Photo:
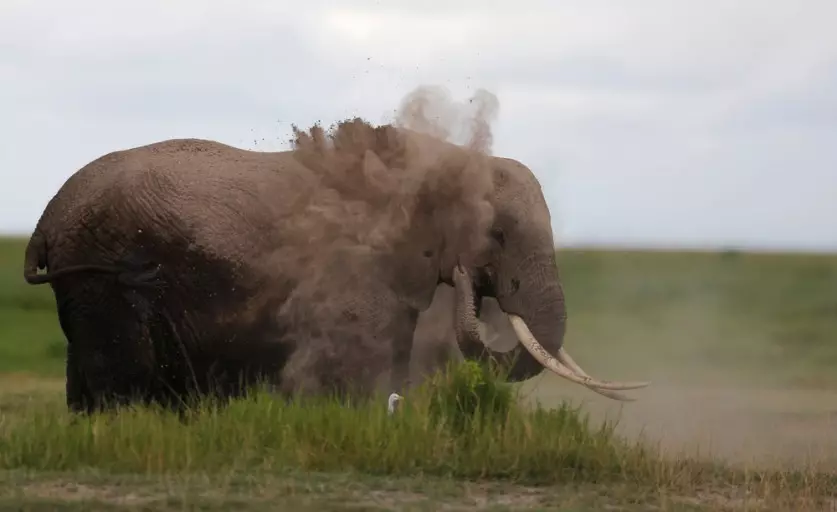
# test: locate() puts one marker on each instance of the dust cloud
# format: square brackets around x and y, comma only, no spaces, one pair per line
[705,400]
[760,428]
[378,185]
[384,209]
[696,409]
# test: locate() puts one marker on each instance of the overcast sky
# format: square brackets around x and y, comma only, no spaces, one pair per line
[704,123]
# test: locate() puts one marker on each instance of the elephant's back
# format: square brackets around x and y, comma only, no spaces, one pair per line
[218,197]
[205,213]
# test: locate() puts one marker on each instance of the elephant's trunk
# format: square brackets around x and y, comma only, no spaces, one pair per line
[541,307]
[470,335]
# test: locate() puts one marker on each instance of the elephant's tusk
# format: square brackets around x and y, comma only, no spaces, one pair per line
[527,339]
[564,357]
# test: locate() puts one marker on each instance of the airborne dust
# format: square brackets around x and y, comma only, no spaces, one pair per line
[386,208]
[380,184]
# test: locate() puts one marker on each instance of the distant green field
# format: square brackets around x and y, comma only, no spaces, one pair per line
[630,313]
[30,337]
[768,318]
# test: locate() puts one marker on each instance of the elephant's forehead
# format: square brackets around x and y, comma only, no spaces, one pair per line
[519,194]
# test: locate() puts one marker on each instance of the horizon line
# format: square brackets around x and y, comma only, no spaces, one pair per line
[640,246]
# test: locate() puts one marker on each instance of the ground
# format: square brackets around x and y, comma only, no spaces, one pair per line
[314,492]
[740,349]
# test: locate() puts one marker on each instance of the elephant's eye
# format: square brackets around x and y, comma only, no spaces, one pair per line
[497,234]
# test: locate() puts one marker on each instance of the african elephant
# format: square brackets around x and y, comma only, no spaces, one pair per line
[189,267]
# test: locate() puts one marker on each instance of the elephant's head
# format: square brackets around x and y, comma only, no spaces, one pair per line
[518,269]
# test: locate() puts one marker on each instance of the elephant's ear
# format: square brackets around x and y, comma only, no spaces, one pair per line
[497,332]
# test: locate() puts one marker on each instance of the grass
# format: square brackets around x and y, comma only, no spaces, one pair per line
[739,313]
[424,452]
[264,434]
[30,336]
[463,441]
[94,490]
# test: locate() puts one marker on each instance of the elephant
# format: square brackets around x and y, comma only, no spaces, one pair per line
[188,267]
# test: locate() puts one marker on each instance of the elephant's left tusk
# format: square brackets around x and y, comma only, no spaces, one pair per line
[527,339]
[564,357]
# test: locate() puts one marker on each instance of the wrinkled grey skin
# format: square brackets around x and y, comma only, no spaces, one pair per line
[162,259]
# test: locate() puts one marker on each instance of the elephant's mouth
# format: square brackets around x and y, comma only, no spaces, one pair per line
[471,338]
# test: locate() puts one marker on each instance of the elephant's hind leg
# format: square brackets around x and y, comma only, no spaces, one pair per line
[107,353]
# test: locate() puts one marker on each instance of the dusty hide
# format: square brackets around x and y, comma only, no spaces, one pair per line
[387,196]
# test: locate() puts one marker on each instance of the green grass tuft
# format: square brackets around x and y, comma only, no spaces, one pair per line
[466,393]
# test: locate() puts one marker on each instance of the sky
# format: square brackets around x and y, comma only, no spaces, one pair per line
[689,124]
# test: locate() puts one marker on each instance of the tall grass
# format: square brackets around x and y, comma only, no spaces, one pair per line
[461,423]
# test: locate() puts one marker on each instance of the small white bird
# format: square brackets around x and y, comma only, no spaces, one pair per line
[392,403]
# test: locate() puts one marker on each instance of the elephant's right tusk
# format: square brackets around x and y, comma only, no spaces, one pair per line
[527,339]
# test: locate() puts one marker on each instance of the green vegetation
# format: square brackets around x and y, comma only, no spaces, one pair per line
[464,440]
[30,337]
[474,393]
[735,312]
[439,436]
[264,434]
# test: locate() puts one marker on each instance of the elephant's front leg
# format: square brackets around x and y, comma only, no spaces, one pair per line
[403,330]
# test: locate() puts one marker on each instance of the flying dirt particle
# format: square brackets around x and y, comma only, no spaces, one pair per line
[432,111]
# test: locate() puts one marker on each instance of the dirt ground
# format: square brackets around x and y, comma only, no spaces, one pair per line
[753,427]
